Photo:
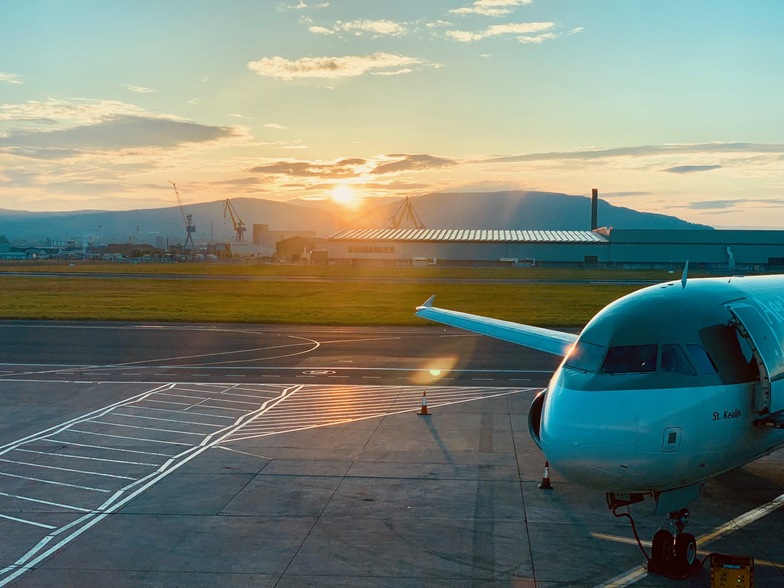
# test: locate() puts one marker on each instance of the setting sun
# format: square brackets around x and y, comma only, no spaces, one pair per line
[345,196]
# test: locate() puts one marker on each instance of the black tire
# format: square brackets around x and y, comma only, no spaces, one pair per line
[685,551]
[662,554]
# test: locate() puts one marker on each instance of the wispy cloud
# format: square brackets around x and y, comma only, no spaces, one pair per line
[647,150]
[138,89]
[354,167]
[493,8]
[58,129]
[690,169]
[275,126]
[719,205]
[342,168]
[117,133]
[525,30]
[74,111]
[359,27]
[10,78]
[418,162]
[301,5]
[331,67]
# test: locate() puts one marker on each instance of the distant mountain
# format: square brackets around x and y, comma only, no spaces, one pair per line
[493,210]
[533,210]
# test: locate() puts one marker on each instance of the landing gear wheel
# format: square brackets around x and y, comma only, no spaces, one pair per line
[685,551]
[662,550]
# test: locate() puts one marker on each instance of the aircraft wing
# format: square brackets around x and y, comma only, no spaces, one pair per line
[548,340]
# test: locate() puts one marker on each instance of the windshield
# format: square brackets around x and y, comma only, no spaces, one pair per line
[585,356]
[630,359]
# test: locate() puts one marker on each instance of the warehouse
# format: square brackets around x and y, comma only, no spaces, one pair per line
[710,249]
[466,246]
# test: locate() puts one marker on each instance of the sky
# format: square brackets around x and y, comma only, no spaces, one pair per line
[666,106]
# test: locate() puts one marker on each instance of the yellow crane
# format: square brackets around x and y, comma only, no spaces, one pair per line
[406,212]
[187,219]
[239,226]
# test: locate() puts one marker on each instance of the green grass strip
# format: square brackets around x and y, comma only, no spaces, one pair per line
[286,302]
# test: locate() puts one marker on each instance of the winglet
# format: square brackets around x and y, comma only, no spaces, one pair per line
[685,275]
[429,302]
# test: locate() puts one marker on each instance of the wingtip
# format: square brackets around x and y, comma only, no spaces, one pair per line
[427,303]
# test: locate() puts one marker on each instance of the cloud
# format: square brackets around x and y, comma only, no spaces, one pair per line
[115,133]
[493,8]
[73,112]
[275,126]
[138,89]
[10,78]
[331,67]
[301,5]
[624,194]
[353,167]
[690,169]
[645,151]
[344,168]
[377,27]
[523,28]
[733,203]
[412,162]
[321,30]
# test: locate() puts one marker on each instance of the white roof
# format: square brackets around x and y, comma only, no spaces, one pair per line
[469,235]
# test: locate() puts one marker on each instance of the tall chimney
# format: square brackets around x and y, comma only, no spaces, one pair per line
[594,209]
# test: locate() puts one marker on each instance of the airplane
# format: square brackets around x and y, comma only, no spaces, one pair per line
[663,388]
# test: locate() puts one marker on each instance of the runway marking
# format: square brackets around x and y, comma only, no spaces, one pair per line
[61,455]
[42,481]
[277,409]
[635,574]
[26,522]
[46,502]
[92,512]
[46,467]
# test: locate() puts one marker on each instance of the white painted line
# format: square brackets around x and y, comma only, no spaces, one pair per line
[635,574]
[40,552]
[54,483]
[140,416]
[46,502]
[105,448]
[2,516]
[168,402]
[147,428]
[212,416]
[48,467]
[129,438]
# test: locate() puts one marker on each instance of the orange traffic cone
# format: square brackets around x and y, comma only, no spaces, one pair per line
[423,411]
[545,485]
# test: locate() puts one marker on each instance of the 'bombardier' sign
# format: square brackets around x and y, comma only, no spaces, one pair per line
[370,249]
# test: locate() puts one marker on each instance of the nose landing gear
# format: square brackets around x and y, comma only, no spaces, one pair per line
[674,552]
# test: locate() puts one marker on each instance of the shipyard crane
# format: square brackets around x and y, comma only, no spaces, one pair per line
[132,238]
[187,219]
[89,241]
[239,226]
[406,212]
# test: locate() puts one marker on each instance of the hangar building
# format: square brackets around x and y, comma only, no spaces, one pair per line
[606,247]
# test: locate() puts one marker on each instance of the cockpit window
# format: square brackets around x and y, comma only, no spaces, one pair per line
[585,356]
[674,360]
[702,359]
[630,359]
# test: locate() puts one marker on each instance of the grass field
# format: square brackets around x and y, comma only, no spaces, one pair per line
[353,302]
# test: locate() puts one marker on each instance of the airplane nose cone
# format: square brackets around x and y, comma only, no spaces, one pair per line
[590,437]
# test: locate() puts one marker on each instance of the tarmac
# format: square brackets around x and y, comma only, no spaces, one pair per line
[305,471]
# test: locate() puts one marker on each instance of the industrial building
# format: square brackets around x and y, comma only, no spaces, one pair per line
[711,249]
[605,247]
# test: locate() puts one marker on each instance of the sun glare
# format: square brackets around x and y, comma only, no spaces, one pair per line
[345,196]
